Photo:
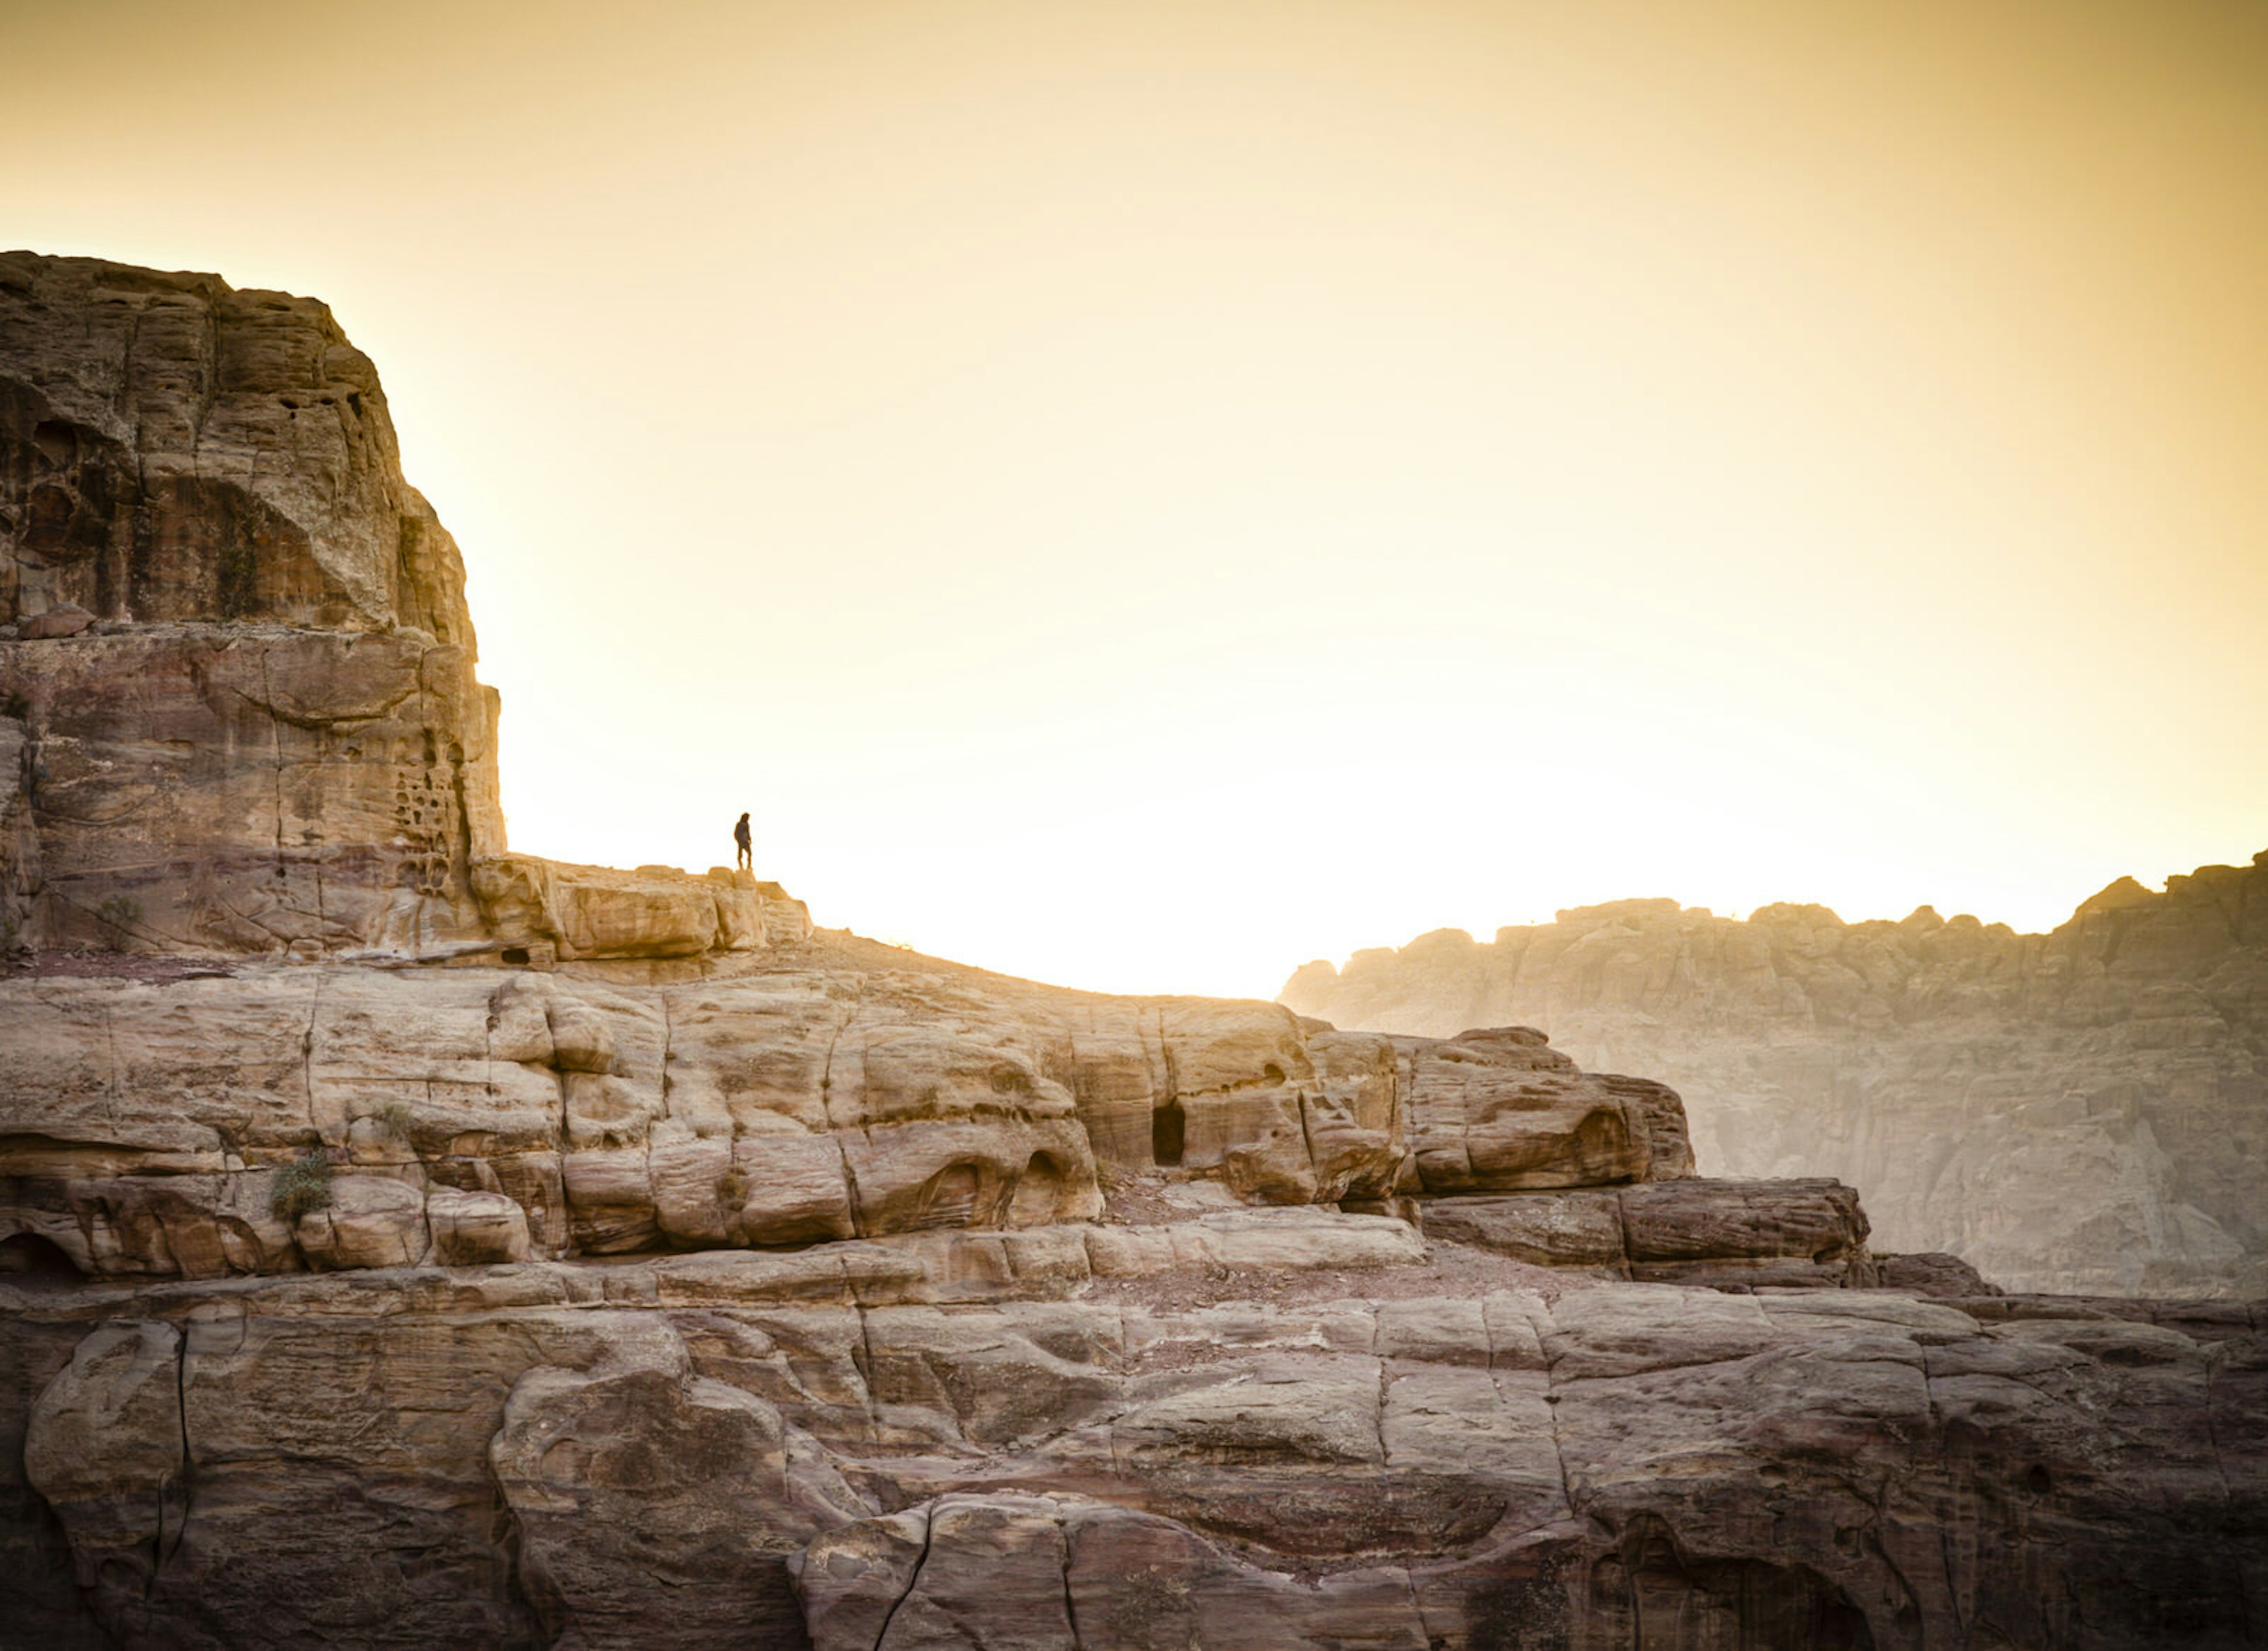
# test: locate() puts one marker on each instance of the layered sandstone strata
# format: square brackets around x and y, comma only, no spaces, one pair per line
[830,1089]
[472,1250]
[1331,1440]
[2085,1110]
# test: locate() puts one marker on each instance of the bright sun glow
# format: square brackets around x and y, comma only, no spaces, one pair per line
[1145,494]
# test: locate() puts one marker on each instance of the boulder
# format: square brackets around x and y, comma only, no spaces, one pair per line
[104,1447]
[66,621]
[1731,1235]
[475,1229]
[1932,1274]
[366,1221]
[1500,1110]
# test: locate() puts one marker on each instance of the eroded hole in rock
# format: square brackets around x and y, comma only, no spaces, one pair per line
[515,954]
[1273,1073]
[1166,1135]
[48,527]
[950,1198]
[28,1258]
[1658,1595]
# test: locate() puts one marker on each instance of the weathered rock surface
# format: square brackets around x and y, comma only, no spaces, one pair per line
[640,1479]
[525,1455]
[1500,1110]
[272,733]
[826,1090]
[237,707]
[520,1374]
[476,1251]
[2083,1110]
[1726,1234]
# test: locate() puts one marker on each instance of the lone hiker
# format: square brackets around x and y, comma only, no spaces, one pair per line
[744,857]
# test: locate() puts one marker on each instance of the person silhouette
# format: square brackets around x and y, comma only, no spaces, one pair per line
[744,849]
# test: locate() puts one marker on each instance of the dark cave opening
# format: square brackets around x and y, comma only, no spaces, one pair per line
[28,1259]
[1166,1135]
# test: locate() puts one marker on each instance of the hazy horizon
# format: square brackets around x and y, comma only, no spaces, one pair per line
[1487,936]
[1142,496]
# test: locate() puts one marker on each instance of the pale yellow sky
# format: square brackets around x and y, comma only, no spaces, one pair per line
[1145,494]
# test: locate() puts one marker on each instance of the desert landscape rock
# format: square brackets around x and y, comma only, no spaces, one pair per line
[2081,1110]
[407,1242]
[534,1454]
[252,723]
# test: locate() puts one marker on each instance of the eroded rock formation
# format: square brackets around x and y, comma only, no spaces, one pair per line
[1332,1433]
[495,1252]
[242,699]
[238,707]
[2085,1110]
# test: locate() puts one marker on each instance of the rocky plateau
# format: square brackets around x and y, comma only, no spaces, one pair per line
[406,1242]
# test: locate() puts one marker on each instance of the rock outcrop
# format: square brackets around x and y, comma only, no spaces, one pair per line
[838,1089]
[237,707]
[241,696]
[2082,1110]
[554,1256]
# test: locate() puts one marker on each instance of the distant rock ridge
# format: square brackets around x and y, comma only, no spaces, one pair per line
[405,1242]
[2085,1110]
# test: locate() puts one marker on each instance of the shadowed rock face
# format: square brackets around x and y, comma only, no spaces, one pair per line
[2085,1110]
[172,450]
[545,1255]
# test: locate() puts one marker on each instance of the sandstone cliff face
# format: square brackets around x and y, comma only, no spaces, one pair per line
[173,450]
[2081,1110]
[235,659]
[237,707]
[496,1252]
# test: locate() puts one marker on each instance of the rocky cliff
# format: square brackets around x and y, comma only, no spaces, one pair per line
[238,708]
[239,692]
[2085,1110]
[466,1249]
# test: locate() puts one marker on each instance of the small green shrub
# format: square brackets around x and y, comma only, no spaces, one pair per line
[396,1117]
[303,1185]
[733,1186]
